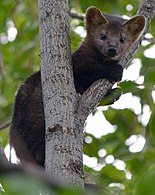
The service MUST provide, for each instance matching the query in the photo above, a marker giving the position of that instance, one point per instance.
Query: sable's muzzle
(112, 52)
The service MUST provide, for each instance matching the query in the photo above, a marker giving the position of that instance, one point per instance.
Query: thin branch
(91, 98)
(5, 125)
(74, 15)
(150, 40)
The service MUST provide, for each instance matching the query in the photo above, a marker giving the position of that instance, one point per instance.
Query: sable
(108, 38)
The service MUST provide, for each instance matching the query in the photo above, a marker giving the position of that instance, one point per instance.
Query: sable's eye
(102, 36)
(122, 40)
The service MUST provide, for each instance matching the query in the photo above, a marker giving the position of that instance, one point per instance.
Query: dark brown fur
(108, 37)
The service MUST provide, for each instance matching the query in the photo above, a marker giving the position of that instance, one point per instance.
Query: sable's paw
(117, 72)
(113, 72)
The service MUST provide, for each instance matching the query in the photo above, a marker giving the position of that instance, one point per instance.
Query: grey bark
(65, 111)
(64, 140)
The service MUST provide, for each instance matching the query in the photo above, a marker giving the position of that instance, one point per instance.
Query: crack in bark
(56, 128)
(76, 167)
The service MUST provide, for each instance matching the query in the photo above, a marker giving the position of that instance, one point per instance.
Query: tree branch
(75, 15)
(91, 98)
(150, 40)
(5, 125)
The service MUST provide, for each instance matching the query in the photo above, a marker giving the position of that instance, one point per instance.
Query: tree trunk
(64, 140)
(65, 111)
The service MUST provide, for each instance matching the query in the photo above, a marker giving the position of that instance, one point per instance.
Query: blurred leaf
(146, 185)
(4, 136)
(151, 124)
(123, 118)
(112, 173)
(128, 86)
(112, 96)
(16, 184)
(150, 78)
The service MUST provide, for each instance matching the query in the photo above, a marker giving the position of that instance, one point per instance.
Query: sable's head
(112, 35)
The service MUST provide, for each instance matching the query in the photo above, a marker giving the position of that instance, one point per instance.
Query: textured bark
(64, 140)
(92, 97)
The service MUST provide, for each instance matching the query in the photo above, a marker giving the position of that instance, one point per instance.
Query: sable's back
(27, 130)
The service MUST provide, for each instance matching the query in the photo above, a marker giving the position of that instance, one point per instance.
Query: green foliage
(146, 184)
(20, 58)
(18, 184)
(4, 137)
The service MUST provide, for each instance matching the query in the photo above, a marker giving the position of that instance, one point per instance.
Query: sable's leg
(112, 71)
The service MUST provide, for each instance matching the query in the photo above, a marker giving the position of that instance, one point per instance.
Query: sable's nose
(112, 51)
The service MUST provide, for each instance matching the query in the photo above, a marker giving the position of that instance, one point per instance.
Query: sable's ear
(94, 18)
(135, 26)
